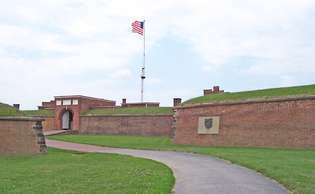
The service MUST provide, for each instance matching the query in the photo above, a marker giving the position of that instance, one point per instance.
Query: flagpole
(143, 65)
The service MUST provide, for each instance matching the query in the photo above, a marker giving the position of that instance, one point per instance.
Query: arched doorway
(66, 120)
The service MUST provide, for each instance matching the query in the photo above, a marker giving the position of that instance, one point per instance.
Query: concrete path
(195, 174)
(55, 132)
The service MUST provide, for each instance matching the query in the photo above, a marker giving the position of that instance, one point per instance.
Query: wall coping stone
(249, 101)
(128, 115)
(21, 119)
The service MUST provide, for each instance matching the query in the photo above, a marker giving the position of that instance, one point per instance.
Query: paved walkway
(54, 132)
(195, 174)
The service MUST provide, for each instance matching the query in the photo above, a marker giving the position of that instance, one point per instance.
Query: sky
(66, 47)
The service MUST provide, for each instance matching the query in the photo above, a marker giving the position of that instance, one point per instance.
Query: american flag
(138, 27)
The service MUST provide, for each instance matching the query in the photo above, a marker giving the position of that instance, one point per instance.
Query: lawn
(255, 94)
(294, 168)
(129, 111)
(66, 172)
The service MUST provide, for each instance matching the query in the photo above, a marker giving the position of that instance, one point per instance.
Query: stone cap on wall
(21, 119)
(82, 97)
(130, 115)
(248, 101)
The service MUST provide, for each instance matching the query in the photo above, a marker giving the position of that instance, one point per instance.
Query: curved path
(195, 174)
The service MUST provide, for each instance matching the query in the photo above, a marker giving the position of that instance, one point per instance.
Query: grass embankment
(129, 111)
(7, 110)
(63, 172)
(291, 167)
(255, 94)
(38, 113)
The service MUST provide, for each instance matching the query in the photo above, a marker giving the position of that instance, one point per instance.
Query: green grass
(42, 112)
(130, 111)
(7, 110)
(294, 168)
(65, 172)
(255, 94)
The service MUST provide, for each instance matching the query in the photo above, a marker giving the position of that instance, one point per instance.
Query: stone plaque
(208, 125)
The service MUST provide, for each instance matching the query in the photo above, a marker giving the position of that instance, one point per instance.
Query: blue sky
(62, 47)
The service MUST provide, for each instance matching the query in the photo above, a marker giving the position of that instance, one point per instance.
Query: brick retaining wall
(21, 135)
(49, 123)
(147, 125)
(275, 123)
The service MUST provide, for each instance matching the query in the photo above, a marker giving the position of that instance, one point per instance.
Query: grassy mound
(255, 94)
(67, 172)
(129, 111)
(38, 113)
(7, 110)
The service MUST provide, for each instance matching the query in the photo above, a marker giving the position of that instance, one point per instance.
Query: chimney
(124, 102)
(16, 106)
(216, 89)
(177, 101)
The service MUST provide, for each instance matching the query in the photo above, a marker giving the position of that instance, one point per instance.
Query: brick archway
(75, 123)
(66, 119)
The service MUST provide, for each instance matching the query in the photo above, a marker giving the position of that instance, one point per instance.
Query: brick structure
(68, 108)
(49, 123)
(74, 105)
(48, 105)
(277, 122)
(16, 106)
(177, 101)
(21, 135)
(288, 122)
(139, 104)
(214, 90)
(147, 125)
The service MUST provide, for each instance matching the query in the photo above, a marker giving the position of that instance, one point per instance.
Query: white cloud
(222, 31)
(68, 38)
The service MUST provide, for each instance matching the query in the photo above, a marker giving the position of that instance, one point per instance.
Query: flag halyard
(138, 27)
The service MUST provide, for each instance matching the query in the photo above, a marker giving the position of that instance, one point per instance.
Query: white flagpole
(143, 65)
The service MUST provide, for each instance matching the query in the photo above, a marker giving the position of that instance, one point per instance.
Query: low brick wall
(275, 123)
(49, 123)
(21, 135)
(147, 125)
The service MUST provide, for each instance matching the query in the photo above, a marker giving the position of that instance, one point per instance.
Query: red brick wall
(19, 136)
(144, 104)
(131, 125)
(75, 110)
(51, 104)
(86, 104)
(49, 123)
(277, 123)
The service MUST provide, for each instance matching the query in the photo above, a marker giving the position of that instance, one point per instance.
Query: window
(58, 102)
(75, 101)
(66, 102)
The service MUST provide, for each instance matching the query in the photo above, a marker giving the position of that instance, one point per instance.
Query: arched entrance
(66, 120)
